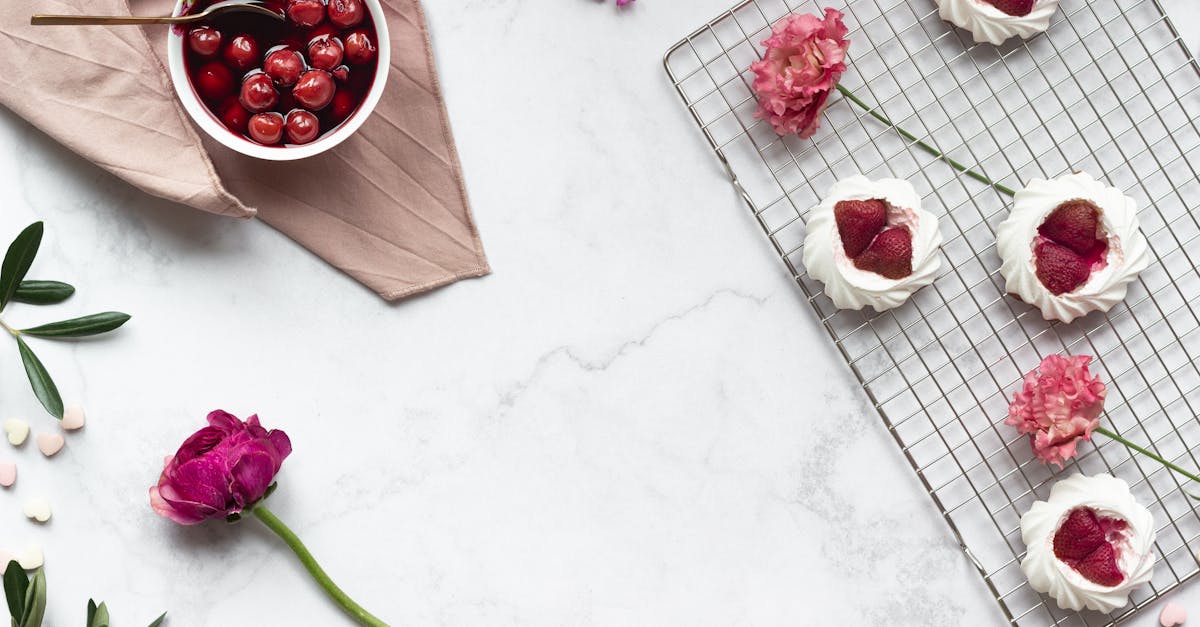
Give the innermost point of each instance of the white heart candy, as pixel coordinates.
(16, 430)
(37, 509)
(5, 558)
(49, 443)
(73, 418)
(31, 558)
(8, 476)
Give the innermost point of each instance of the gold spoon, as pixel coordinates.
(228, 6)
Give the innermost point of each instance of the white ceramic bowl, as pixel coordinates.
(211, 125)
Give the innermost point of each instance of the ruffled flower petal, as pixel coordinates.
(1058, 405)
(805, 57)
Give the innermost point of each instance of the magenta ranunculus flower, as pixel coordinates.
(805, 58)
(1059, 404)
(227, 469)
(219, 471)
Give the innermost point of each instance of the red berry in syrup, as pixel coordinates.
(204, 41)
(342, 73)
(325, 53)
(214, 81)
(342, 106)
(266, 128)
(324, 30)
(306, 13)
(258, 93)
(284, 66)
(359, 47)
(301, 126)
(346, 13)
(314, 90)
(234, 116)
(242, 53)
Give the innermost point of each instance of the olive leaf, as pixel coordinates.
(94, 324)
(42, 292)
(35, 601)
(16, 582)
(43, 385)
(97, 616)
(158, 621)
(17, 261)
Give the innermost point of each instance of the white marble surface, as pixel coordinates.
(634, 421)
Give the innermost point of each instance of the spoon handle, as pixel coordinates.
(105, 20)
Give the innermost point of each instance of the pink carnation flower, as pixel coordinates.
(805, 57)
(1059, 404)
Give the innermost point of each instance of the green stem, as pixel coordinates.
(1146, 452)
(310, 563)
(11, 330)
(924, 146)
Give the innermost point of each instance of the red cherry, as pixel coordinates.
(325, 53)
(242, 53)
(359, 47)
(204, 41)
(342, 73)
(314, 90)
(346, 13)
(266, 128)
(342, 106)
(258, 93)
(234, 116)
(306, 13)
(324, 30)
(284, 66)
(214, 81)
(302, 126)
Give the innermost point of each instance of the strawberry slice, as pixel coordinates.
(890, 255)
(1073, 224)
(1079, 535)
(1059, 268)
(1018, 8)
(858, 222)
(1101, 566)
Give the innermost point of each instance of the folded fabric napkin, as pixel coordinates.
(387, 206)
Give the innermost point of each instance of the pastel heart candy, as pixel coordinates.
(1172, 614)
(5, 558)
(31, 558)
(73, 418)
(37, 509)
(16, 430)
(8, 476)
(49, 443)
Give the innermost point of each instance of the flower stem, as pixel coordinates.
(924, 146)
(1113, 436)
(310, 563)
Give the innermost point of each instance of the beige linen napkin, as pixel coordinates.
(387, 206)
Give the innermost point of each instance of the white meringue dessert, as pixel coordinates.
(1044, 253)
(995, 21)
(895, 243)
(1089, 544)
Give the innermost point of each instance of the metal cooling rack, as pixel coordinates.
(1107, 91)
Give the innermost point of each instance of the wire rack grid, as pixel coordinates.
(1105, 90)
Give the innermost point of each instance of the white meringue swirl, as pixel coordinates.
(851, 288)
(987, 23)
(1110, 498)
(1127, 255)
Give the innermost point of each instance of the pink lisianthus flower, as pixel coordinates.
(805, 58)
(220, 470)
(1059, 404)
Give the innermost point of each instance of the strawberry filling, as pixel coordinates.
(1069, 246)
(870, 242)
(1088, 543)
(1017, 8)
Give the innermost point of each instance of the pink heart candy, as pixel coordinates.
(49, 443)
(1172, 614)
(8, 474)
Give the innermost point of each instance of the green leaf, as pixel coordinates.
(91, 612)
(98, 617)
(94, 324)
(35, 601)
(43, 385)
(17, 261)
(16, 582)
(42, 292)
(158, 621)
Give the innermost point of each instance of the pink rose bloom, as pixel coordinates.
(220, 470)
(805, 57)
(1059, 404)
